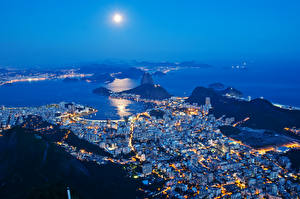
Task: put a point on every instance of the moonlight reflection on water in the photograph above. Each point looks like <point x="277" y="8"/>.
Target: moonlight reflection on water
<point x="122" y="84"/>
<point x="122" y="105"/>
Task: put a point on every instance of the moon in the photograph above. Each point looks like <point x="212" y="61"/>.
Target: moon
<point x="117" y="18"/>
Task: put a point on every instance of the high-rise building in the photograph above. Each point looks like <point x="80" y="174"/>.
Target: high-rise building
<point x="143" y="157"/>
<point x="249" y="98"/>
<point x="207" y="101"/>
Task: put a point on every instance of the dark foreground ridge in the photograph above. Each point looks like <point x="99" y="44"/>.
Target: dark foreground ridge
<point x="262" y="113"/>
<point x="33" y="167"/>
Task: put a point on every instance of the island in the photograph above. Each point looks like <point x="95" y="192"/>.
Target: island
<point x="148" y="89"/>
<point x="102" y="91"/>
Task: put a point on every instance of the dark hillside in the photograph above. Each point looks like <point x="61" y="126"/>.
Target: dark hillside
<point x="262" y="113"/>
<point x="31" y="166"/>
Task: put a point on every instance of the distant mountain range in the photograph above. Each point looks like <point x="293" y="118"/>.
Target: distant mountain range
<point x="188" y="64"/>
<point x="217" y="86"/>
<point x="120" y="69"/>
<point x="108" y="73"/>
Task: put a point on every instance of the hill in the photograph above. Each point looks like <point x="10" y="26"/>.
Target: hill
<point x="32" y="167"/>
<point x="149" y="91"/>
<point x="232" y="92"/>
<point x="102" y="91"/>
<point x="147" y="79"/>
<point x="262" y="113"/>
<point x="216" y="86"/>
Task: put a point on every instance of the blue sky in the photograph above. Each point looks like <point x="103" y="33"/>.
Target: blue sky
<point x="70" y="31"/>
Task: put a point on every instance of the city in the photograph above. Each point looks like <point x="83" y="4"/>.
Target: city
<point x="13" y="76"/>
<point x="150" y="99"/>
<point x="175" y="147"/>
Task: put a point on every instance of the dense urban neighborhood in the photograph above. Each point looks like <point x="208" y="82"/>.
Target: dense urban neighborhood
<point x="176" y="148"/>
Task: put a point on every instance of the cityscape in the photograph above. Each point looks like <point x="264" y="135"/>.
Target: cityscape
<point x="149" y="99"/>
<point x="174" y="144"/>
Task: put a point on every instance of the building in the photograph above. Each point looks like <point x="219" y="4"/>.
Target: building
<point x="147" y="169"/>
<point x="207" y="101"/>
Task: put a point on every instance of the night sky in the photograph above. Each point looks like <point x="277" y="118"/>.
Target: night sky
<point x="69" y="31"/>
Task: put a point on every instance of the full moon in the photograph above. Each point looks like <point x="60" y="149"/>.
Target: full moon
<point x="117" y="18"/>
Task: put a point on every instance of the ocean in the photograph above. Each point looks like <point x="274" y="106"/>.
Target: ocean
<point x="279" y="86"/>
<point x="55" y="91"/>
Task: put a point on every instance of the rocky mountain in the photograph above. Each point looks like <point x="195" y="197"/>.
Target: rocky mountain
<point x="149" y="91"/>
<point x="147" y="79"/>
